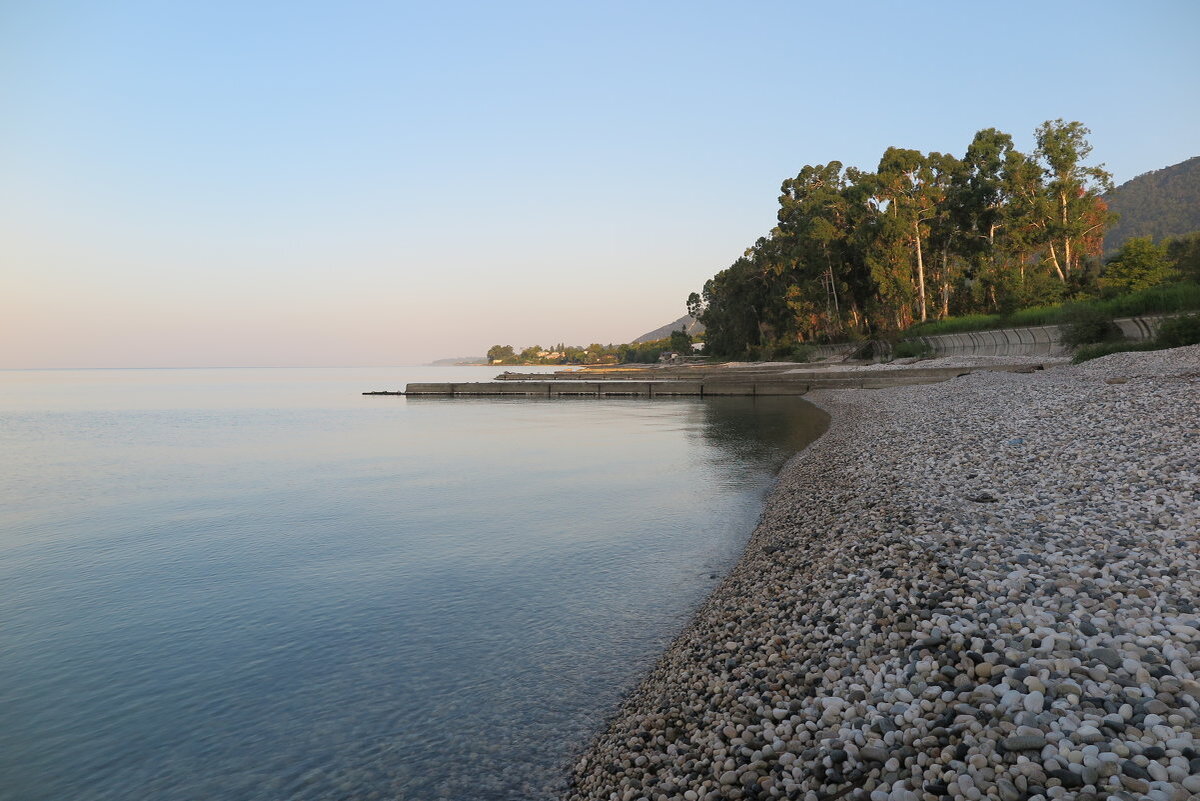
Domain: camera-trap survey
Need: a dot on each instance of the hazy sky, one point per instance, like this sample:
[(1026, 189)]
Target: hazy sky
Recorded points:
[(302, 183)]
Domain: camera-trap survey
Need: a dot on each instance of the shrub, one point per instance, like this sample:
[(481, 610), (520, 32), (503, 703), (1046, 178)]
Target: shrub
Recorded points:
[(1084, 324), (1034, 315), (1179, 331), (1169, 298), (1140, 264), (909, 348), (802, 353), (1173, 333), (955, 325), (1088, 352)]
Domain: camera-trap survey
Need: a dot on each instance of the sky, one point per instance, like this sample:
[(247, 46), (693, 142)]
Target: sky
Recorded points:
[(233, 183)]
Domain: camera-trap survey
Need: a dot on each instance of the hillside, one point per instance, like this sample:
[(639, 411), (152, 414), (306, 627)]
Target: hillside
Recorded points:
[(686, 322), (1161, 203)]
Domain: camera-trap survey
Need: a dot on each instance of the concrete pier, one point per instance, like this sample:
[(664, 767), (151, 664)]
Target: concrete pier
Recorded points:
[(700, 382)]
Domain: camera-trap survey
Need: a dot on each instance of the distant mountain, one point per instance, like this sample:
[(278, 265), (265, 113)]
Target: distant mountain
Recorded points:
[(1161, 203), (686, 322), (459, 360)]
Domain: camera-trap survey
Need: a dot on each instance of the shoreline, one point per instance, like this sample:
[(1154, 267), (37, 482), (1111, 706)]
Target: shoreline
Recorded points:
[(984, 588)]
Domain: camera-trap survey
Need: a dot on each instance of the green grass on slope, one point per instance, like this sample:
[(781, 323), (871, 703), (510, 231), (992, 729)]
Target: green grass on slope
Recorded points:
[(1155, 300)]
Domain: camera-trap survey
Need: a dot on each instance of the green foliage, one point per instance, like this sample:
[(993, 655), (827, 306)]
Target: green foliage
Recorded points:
[(680, 342), (1176, 332), (574, 354), (910, 348), (1034, 315), (1154, 300), (1086, 353), (1140, 264), (956, 325), (502, 354), (1085, 324), (1184, 254), (1179, 331), (803, 353), (857, 255)]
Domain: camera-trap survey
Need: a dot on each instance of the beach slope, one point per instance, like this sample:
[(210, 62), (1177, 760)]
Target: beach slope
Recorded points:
[(985, 588)]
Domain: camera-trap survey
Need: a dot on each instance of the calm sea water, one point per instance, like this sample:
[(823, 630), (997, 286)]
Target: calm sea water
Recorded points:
[(259, 584)]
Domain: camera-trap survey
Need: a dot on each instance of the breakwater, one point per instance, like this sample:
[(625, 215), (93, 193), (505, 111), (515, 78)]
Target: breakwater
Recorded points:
[(704, 381)]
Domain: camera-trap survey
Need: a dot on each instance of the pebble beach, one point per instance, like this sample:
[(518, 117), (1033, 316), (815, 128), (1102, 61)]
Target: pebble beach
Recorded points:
[(987, 588)]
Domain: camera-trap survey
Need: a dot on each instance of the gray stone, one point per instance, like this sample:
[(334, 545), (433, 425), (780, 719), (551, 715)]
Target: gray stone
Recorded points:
[(1024, 742), (1108, 656)]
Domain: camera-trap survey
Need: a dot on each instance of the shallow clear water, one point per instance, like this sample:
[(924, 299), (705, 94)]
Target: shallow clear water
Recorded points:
[(260, 584)]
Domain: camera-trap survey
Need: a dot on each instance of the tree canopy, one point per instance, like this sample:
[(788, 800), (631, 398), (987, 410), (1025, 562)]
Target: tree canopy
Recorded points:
[(924, 236)]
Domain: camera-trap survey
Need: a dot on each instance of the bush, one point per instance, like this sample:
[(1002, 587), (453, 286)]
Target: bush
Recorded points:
[(1088, 352), (1034, 315), (1084, 324), (1179, 331), (1173, 333), (1156, 299), (802, 353), (1162, 299), (910, 348), (955, 325)]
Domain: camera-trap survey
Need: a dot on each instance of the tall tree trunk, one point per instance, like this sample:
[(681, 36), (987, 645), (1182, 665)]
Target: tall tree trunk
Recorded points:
[(920, 271), (1054, 261), (836, 323), (1062, 202), (945, 280)]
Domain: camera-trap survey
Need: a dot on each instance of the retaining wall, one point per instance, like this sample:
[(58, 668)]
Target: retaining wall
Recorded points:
[(1042, 340)]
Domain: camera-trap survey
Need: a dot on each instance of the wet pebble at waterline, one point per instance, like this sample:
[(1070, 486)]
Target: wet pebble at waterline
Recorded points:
[(985, 588)]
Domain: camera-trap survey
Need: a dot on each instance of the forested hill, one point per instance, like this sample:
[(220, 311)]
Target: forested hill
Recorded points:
[(1157, 204), (686, 322)]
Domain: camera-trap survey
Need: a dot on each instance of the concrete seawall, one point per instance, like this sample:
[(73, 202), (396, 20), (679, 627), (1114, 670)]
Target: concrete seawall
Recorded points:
[(1042, 340)]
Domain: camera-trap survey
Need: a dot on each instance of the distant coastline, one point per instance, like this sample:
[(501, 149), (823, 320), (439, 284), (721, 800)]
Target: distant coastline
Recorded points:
[(460, 361)]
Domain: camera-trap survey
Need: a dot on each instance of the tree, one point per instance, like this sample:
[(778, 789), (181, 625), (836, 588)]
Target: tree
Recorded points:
[(982, 210), (1139, 264), (1072, 194), (923, 236), (681, 341), (1184, 253), (501, 353), (813, 225), (910, 192), (531, 354)]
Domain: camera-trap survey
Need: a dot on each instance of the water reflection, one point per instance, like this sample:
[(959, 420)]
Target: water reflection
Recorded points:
[(770, 427), (208, 594)]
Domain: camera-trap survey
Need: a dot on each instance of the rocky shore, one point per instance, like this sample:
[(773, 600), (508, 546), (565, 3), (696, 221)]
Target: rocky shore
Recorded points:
[(985, 588)]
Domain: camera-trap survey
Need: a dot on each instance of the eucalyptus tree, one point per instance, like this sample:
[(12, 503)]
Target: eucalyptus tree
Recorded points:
[(942, 173), (813, 225), (922, 236), (979, 204), (911, 187), (1074, 211)]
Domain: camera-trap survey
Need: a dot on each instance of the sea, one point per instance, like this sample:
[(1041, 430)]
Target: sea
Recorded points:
[(261, 584)]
